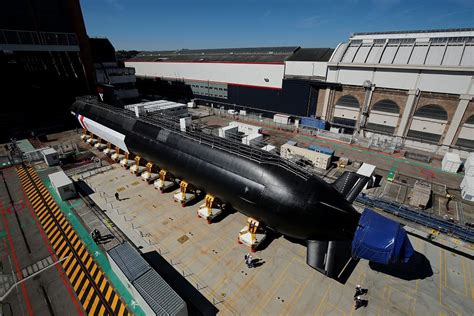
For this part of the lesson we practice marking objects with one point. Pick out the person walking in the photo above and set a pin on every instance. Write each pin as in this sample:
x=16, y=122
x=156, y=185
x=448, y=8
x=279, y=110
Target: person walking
x=358, y=302
x=117, y=196
x=358, y=290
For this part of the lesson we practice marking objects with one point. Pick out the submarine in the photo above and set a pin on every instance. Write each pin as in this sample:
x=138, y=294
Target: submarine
x=259, y=184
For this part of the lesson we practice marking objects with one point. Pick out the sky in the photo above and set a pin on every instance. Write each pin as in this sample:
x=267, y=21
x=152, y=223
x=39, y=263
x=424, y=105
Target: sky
x=175, y=24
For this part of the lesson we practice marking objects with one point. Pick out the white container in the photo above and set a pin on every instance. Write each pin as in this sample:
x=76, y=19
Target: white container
x=243, y=112
x=253, y=140
x=191, y=104
x=51, y=157
x=469, y=165
x=247, y=129
x=63, y=185
x=269, y=148
x=366, y=170
x=467, y=188
x=451, y=162
x=281, y=118
x=184, y=123
x=228, y=132
x=319, y=160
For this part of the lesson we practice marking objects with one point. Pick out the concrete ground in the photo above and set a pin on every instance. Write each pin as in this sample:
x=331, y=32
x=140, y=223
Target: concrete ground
x=24, y=250
x=435, y=282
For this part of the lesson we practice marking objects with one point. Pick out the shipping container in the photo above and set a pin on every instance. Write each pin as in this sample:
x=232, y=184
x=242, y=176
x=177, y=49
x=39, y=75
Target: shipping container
x=253, y=140
x=469, y=165
x=313, y=122
x=451, y=162
x=319, y=160
x=247, y=129
x=63, y=185
x=229, y=132
x=281, y=118
x=50, y=156
x=467, y=188
x=321, y=149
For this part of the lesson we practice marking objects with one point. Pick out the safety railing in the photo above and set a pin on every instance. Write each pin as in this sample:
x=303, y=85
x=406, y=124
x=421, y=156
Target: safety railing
x=397, y=209
x=194, y=133
x=20, y=37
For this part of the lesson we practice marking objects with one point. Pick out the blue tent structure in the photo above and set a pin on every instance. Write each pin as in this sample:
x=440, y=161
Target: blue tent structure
x=382, y=240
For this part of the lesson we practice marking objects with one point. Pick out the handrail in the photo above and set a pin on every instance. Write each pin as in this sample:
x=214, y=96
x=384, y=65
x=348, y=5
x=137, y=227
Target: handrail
x=195, y=134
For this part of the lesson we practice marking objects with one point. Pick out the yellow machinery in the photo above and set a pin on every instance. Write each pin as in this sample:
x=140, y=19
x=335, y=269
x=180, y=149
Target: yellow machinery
x=162, y=175
x=108, y=150
x=117, y=156
x=185, y=194
x=91, y=140
x=99, y=144
x=136, y=169
x=164, y=182
x=182, y=187
x=149, y=166
x=148, y=175
x=125, y=162
x=85, y=136
x=210, y=209
x=252, y=234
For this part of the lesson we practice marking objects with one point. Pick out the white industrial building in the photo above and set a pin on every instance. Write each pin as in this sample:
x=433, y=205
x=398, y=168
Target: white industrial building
x=416, y=85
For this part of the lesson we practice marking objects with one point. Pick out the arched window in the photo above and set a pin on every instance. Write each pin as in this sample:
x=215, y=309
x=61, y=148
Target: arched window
x=428, y=132
x=432, y=111
x=385, y=122
x=349, y=101
x=386, y=106
x=470, y=120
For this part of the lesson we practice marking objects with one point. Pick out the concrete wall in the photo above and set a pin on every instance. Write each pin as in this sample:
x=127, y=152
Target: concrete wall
x=439, y=81
x=306, y=68
x=260, y=75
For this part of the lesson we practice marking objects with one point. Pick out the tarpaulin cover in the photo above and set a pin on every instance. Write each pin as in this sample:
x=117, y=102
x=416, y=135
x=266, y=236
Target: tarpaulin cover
x=380, y=239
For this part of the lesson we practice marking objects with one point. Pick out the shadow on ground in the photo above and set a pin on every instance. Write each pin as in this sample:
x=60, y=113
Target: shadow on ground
x=83, y=188
x=419, y=267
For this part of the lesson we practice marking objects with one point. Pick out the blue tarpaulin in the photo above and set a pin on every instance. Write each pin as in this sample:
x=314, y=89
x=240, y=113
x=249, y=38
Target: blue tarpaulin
x=380, y=239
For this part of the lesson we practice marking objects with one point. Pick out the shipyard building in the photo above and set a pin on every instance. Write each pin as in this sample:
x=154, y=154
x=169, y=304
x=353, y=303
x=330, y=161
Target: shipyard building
x=46, y=60
x=412, y=86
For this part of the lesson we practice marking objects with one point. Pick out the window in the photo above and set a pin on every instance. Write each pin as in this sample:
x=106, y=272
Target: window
x=386, y=106
x=348, y=101
x=432, y=111
x=401, y=40
x=424, y=136
x=381, y=128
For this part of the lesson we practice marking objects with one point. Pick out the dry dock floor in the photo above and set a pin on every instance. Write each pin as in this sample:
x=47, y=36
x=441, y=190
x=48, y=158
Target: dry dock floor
x=210, y=258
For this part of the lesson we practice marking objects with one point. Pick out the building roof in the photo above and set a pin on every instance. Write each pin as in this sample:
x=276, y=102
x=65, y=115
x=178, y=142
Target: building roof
x=59, y=179
x=428, y=49
x=312, y=54
x=417, y=31
x=161, y=298
x=250, y=55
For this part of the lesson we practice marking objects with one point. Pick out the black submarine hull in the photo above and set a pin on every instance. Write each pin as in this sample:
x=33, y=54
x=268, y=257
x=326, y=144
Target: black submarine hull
x=305, y=208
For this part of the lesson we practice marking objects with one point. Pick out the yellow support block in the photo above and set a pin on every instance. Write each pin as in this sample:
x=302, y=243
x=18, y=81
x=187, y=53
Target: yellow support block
x=183, y=186
x=149, y=166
